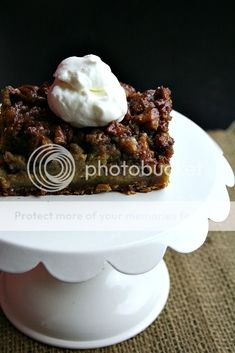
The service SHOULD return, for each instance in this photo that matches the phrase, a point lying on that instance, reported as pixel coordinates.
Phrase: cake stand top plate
(199, 177)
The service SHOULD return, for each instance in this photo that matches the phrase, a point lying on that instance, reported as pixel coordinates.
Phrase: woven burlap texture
(200, 313)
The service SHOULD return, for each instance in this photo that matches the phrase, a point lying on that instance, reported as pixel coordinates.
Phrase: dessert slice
(141, 139)
(116, 138)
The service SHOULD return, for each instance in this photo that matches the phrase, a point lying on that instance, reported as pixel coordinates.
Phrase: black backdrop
(189, 48)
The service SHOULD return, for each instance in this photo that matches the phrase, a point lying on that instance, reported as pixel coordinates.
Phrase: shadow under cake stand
(78, 289)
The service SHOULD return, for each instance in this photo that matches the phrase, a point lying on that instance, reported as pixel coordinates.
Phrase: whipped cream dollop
(85, 92)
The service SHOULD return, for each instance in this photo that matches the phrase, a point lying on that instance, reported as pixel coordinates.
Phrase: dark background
(190, 48)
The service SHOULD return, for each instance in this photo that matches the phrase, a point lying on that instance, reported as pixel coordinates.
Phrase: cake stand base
(102, 311)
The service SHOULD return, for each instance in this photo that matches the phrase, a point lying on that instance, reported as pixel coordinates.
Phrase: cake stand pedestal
(104, 310)
(89, 289)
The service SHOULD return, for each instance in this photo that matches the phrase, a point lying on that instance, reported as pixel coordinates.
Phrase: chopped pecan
(103, 188)
(162, 93)
(150, 118)
(37, 129)
(129, 90)
(163, 126)
(128, 116)
(59, 137)
(164, 140)
(29, 93)
(129, 144)
(7, 92)
(44, 89)
(97, 137)
(149, 94)
(117, 129)
(144, 151)
(136, 104)
(10, 114)
(162, 99)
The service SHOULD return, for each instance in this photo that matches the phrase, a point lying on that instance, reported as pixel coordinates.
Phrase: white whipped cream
(86, 92)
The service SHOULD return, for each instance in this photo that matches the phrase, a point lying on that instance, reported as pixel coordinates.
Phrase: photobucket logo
(124, 169)
(42, 173)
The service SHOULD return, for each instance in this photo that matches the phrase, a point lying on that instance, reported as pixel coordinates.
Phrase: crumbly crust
(26, 122)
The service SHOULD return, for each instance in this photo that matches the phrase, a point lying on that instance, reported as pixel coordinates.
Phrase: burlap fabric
(200, 313)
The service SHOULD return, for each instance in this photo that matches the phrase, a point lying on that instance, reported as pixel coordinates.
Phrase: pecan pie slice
(128, 156)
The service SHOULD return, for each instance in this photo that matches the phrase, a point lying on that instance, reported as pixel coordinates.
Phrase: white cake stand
(86, 289)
